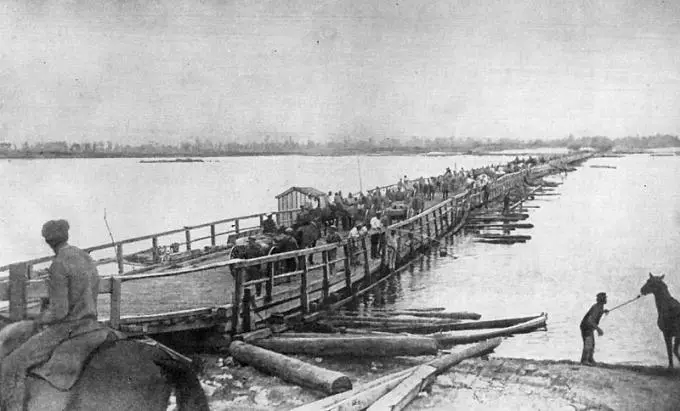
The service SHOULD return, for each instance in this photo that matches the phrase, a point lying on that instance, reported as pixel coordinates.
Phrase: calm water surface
(605, 232)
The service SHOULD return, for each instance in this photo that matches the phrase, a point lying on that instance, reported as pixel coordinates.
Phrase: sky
(170, 70)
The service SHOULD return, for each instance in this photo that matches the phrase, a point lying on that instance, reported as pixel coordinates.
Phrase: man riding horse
(73, 289)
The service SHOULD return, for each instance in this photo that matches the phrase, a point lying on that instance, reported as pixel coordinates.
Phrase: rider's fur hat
(601, 296)
(55, 231)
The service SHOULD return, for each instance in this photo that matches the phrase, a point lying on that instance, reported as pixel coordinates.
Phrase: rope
(627, 302)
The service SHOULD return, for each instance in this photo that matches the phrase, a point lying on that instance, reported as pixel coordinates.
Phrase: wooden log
(458, 326)
(361, 396)
(497, 225)
(341, 333)
(373, 346)
(467, 338)
(504, 237)
(388, 320)
(421, 309)
(406, 391)
(290, 369)
(432, 314)
(498, 241)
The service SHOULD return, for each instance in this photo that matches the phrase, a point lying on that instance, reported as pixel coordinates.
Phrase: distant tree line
(200, 147)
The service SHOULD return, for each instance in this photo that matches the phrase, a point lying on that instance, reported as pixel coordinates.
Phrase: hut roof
(308, 191)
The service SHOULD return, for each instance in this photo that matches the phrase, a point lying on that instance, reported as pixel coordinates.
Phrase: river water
(605, 232)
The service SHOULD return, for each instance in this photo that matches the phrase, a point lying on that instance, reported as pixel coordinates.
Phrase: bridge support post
(239, 275)
(247, 320)
(18, 276)
(348, 268)
(326, 272)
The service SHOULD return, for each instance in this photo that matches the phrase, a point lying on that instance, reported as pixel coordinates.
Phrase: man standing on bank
(73, 288)
(590, 324)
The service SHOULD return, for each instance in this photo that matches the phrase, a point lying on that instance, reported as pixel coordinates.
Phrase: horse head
(653, 285)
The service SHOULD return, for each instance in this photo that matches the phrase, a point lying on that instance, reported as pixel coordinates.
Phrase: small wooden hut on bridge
(294, 197)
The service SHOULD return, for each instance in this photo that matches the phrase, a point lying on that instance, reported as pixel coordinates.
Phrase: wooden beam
(355, 346)
(406, 391)
(290, 369)
(114, 314)
(238, 276)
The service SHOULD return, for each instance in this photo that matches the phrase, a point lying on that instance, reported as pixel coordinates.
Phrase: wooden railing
(187, 238)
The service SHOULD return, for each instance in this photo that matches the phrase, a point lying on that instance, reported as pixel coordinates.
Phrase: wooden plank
(114, 315)
(18, 276)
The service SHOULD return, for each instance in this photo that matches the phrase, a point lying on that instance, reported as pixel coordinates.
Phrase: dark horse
(123, 375)
(669, 314)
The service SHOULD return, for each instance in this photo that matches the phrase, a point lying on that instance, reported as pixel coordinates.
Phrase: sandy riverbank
(493, 384)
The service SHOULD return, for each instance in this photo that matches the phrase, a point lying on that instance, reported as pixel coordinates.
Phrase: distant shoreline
(187, 157)
(172, 157)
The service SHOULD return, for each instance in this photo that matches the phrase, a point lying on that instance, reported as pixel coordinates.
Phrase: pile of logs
(383, 333)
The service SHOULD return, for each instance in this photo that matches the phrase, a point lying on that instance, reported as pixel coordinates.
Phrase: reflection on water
(605, 232)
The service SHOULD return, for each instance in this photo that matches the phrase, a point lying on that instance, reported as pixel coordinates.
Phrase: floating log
(467, 325)
(373, 346)
(509, 226)
(467, 338)
(505, 237)
(461, 315)
(390, 320)
(385, 325)
(411, 309)
(406, 391)
(599, 166)
(499, 242)
(497, 218)
(508, 215)
(547, 194)
(290, 369)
